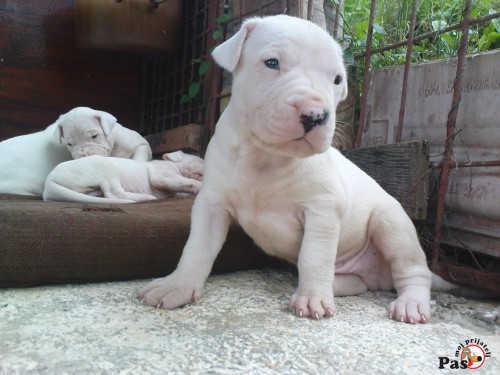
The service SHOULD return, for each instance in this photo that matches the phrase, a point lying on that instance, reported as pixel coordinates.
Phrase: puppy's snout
(311, 117)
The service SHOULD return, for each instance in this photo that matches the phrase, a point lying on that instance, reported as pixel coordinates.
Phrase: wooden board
(44, 74)
(402, 169)
(186, 138)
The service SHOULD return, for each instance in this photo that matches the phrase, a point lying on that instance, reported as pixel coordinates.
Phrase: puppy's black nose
(309, 119)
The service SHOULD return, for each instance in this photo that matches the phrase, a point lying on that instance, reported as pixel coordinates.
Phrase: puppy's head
(190, 166)
(86, 132)
(288, 77)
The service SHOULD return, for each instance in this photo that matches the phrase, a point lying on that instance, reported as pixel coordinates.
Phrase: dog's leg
(56, 192)
(142, 153)
(316, 265)
(112, 189)
(177, 184)
(348, 285)
(395, 236)
(209, 227)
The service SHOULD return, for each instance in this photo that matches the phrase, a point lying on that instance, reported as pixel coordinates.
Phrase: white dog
(85, 131)
(270, 167)
(28, 159)
(99, 179)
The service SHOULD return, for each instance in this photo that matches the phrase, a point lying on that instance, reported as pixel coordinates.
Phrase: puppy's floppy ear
(173, 156)
(340, 52)
(58, 132)
(107, 121)
(228, 53)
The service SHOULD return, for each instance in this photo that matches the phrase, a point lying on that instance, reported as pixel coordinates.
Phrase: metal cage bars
(469, 275)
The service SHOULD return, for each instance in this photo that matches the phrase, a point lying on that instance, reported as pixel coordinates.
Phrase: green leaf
(194, 88)
(223, 18)
(205, 65)
(495, 21)
(217, 35)
(361, 29)
(448, 40)
(185, 98)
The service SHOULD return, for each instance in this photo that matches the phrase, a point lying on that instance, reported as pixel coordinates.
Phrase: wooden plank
(44, 74)
(402, 169)
(186, 138)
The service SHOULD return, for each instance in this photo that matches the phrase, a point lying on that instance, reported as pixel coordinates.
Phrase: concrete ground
(241, 326)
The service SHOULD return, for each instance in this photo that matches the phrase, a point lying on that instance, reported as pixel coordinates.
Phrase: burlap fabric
(53, 242)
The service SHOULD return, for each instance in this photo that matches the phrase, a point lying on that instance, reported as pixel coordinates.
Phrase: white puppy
(28, 159)
(85, 131)
(270, 167)
(99, 179)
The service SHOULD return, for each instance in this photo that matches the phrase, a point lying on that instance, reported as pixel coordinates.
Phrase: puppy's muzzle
(313, 117)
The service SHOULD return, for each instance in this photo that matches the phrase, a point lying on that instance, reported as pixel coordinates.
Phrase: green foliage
(205, 64)
(392, 25)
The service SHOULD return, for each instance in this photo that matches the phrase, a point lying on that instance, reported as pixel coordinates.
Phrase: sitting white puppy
(99, 179)
(270, 167)
(28, 159)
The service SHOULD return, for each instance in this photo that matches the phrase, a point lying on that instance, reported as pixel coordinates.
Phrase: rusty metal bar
(450, 133)
(411, 32)
(366, 73)
(469, 276)
(472, 164)
(429, 35)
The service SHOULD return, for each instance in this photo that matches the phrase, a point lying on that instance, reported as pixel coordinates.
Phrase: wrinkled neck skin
(242, 146)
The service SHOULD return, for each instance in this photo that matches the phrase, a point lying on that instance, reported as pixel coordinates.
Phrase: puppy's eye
(272, 64)
(95, 136)
(70, 145)
(338, 80)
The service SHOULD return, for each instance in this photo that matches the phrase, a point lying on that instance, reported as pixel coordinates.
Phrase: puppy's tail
(441, 285)
(55, 192)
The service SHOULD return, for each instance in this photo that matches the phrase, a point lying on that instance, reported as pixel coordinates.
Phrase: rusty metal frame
(450, 132)
(451, 272)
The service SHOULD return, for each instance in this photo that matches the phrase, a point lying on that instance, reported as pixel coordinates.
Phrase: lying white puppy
(28, 159)
(270, 167)
(99, 179)
(85, 131)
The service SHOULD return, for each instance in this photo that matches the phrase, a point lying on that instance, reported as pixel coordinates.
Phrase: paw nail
(316, 314)
(300, 313)
(424, 320)
(294, 311)
(142, 301)
(330, 311)
(159, 305)
(402, 319)
(411, 320)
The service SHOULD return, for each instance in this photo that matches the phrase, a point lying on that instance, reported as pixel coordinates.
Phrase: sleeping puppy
(85, 131)
(28, 159)
(270, 167)
(99, 179)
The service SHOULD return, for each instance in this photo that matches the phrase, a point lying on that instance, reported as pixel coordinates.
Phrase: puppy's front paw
(169, 292)
(315, 306)
(412, 306)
